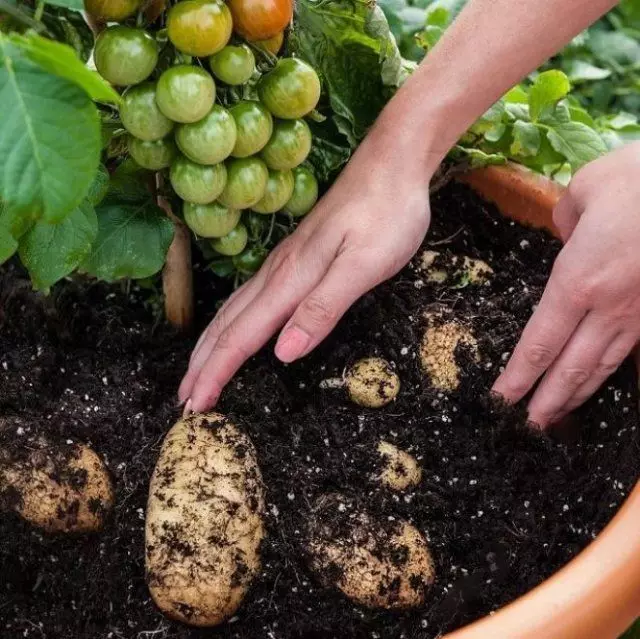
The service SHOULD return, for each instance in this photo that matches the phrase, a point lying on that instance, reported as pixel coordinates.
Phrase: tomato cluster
(230, 161)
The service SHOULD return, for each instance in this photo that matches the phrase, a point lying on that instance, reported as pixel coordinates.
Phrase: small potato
(204, 521)
(475, 271)
(59, 488)
(372, 383)
(375, 563)
(399, 469)
(459, 270)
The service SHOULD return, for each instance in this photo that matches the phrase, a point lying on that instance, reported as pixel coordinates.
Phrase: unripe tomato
(210, 220)
(197, 183)
(255, 126)
(112, 10)
(210, 140)
(289, 146)
(199, 27)
(154, 155)
(305, 192)
(272, 45)
(250, 261)
(291, 90)
(124, 55)
(260, 19)
(278, 192)
(140, 114)
(246, 182)
(185, 93)
(233, 243)
(233, 65)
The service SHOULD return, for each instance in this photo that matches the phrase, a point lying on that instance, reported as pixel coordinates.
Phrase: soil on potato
(502, 506)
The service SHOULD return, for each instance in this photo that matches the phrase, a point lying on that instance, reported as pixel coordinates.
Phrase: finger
(565, 216)
(317, 315)
(573, 368)
(543, 338)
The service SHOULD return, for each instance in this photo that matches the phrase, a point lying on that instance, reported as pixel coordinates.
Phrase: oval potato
(372, 383)
(399, 469)
(204, 521)
(375, 563)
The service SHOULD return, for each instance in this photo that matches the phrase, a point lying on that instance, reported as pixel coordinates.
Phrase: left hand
(588, 320)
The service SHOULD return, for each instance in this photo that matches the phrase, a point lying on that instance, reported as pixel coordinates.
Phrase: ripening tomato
(112, 10)
(197, 183)
(199, 27)
(185, 93)
(272, 45)
(124, 55)
(155, 155)
(210, 140)
(246, 182)
(289, 146)
(250, 261)
(233, 243)
(305, 192)
(291, 90)
(210, 220)
(255, 126)
(233, 65)
(260, 19)
(277, 193)
(140, 114)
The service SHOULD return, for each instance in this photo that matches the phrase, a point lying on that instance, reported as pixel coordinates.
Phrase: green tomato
(111, 10)
(124, 55)
(210, 140)
(291, 90)
(246, 182)
(199, 27)
(233, 65)
(185, 93)
(255, 126)
(154, 155)
(289, 146)
(234, 242)
(197, 183)
(250, 260)
(140, 114)
(210, 220)
(305, 192)
(278, 192)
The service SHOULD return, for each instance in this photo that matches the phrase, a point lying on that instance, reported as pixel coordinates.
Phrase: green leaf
(129, 183)
(578, 114)
(577, 142)
(478, 158)
(581, 71)
(53, 251)
(526, 139)
(132, 242)
(614, 47)
(49, 138)
(69, 26)
(74, 5)
(61, 60)
(517, 95)
(621, 120)
(547, 90)
(8, 244)
(100, 186)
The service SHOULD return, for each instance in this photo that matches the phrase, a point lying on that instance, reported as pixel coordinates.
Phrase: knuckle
(606, 369)
(318, 310)
(229, 340)
(573, 377)
(538, 356)
(284, 265)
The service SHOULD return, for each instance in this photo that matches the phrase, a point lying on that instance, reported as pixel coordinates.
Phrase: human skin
(376, 215)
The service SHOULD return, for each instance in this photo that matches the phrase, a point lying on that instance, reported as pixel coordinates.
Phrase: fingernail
(187, 409)
(293, 343)
(180, 403)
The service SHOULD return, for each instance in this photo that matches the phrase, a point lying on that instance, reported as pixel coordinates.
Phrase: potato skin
(375, 563)
(400, 470)
(59, 488)
(372, 383)
(204, 521)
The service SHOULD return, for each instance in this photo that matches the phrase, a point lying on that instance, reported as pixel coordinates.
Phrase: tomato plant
(197, 183)
(112, 10)
(199, 27)
(289, 146)
(233, 243)
(233, 65)
(140, 114)
(277, 193)
(185, 93)
(305, 193)
(260, 19)
(210, 140)
(246, 182)
(254, 126)
(249, 261)
(210, 220)
(153, 155)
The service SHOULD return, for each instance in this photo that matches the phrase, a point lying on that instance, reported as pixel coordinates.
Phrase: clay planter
(597, 595)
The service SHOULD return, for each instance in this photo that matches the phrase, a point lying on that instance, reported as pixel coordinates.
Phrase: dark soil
(503, 506)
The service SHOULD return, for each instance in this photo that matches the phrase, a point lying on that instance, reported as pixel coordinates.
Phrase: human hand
(361, 233)
(588, 320)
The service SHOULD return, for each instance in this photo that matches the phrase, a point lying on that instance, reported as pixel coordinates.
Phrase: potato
(399, 469)
(372, 383)
(461, 270)
(59, 488)
(204, 521)
(375, 563)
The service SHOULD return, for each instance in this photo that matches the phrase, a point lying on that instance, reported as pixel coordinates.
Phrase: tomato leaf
(132, 241)
(49, 138)
(53, 251)
(74, 5)
(66, 25)
(526, 139)
(8, 244)
(547, 90)
(100, 186)
(577, 142)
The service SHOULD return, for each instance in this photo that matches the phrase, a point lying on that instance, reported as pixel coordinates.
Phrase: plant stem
(16, 13)
(37, 16)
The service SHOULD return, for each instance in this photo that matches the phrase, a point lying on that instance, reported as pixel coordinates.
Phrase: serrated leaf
(577, 142)
(547, 90)
(526, 139)
(132, 242)
(53, 251)
(61, 60)
(49, 138)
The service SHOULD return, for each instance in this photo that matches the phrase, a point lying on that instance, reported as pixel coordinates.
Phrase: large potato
(376, 563)
(204, 521)
(59, 488)
(372, 383)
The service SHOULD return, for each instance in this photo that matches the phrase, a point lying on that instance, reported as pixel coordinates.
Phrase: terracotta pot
(597, 595)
